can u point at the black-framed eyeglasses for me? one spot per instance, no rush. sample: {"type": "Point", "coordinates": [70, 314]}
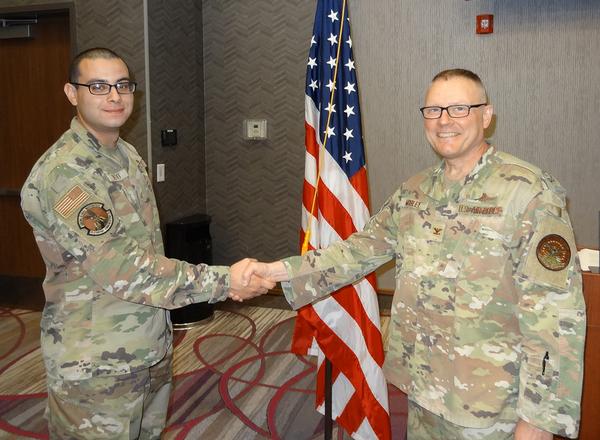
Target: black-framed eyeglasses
{"type": "Point", "coordinates": [102, 88]}
{"type": "Point", "coordinates": [454, 111]}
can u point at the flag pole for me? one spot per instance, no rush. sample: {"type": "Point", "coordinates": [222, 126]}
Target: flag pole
{"type": "Point", "coordinates": [328, 398]}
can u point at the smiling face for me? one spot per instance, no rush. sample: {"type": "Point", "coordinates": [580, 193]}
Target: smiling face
{"type": "Point", "coordinates": [102, 115]}
{"type": "Point", "coordinates": [460, 140]}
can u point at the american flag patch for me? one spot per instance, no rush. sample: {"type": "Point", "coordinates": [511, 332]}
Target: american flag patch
{"type": "Point", "coordinates": [71, 201]}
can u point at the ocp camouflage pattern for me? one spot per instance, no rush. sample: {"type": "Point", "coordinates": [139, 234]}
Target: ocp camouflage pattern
{"type": "Point", "coordinates": [477, 323]}
{"type": "Point", "coordinates": [106, 294]}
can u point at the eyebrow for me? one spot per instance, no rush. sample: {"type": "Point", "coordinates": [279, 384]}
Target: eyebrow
{"type": "Point", "coordinates": [101, 80]}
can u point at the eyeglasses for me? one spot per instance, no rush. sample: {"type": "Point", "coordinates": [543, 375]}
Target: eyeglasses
{"type": "Point", "coordinates": [102, 88]}
{"type": "Point", "coordinates": [454, 111]}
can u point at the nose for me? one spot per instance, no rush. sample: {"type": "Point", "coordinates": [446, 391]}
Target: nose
{"type": "Point", "coordinates": [445, 117]}
{"type": "Point", "coordinates": [113, 95]}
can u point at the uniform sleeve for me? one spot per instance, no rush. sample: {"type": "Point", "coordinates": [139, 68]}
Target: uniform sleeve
{"type": "Point", "coordinates": [82, 219]}
{"type": "Point", "coordinates": [551, 313]}
{"type": "Point", "coordinates": [320, 272]}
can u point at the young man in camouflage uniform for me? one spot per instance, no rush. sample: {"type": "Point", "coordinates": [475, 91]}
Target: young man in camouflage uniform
{"type": "Point", "coordinates": [106, 334]}
{"type": "Point", "coordinates": [488, 318]}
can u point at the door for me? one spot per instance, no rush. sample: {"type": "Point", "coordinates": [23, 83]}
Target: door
{"type": "Point", "coordinates": [33, 113]}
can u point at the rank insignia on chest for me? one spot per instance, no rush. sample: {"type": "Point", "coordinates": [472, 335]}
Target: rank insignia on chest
{"type": "Point", "coordinates": [95, 219]}
{"type": "Point", "coordinates": [436, 232]}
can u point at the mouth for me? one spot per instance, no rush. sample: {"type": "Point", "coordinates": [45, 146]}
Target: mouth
{"type": "Point", "coordinates": [446, 135]}
{"type": "Point", "coordinates": [115, 111]}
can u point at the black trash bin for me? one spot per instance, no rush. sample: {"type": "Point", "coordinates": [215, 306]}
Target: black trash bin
{"type": "Point", "coordinates": [189, 239]}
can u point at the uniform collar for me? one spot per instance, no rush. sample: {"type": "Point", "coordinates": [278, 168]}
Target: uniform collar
{"type": "Point", "coordinates": [84, 135]}
{"type": "Point", "coordinates": [89, 144]}
{"type": "Point", "coordinates": [433, 186]}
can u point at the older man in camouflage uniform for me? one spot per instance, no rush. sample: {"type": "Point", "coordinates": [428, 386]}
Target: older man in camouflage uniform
{"type": "Point", "coordinates": [488, 318]}
{"type": "Point", "coordinates": [106, 333]}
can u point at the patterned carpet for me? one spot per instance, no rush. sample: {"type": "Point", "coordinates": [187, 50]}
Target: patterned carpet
{"type": "Point", "coordinates": [234, 378]}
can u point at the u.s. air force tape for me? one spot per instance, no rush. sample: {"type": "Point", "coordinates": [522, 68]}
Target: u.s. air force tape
{"type": "Point", "coordinates": [553, 252]}
{"type": "Point", "coordinates": [94, 218]}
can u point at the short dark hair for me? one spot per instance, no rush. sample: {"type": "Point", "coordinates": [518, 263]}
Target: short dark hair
{"type": "Point", "coordinates": [93, 53]}
{"type": "Point", "coordinates": [461, 73]}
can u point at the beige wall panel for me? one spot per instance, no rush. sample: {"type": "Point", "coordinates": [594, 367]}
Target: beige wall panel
{"type": "Point", "coordinates": [541, 67]}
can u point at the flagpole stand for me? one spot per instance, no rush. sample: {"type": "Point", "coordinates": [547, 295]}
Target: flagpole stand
{"type": "Point", "coordinates": [328, 418]}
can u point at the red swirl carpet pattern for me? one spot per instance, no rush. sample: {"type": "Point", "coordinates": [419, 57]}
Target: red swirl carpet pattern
{"type": "Point", "coordinates": [234, 378]}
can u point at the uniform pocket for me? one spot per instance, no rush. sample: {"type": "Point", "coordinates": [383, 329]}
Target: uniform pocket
{"type": "Point", "coordinates": [482, 259]}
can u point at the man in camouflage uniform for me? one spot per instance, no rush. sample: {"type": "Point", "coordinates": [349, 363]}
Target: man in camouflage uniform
{"type": "Point", "coordinates": [106, 334]}
{"type": "Point", "coordinates": [488, 318]}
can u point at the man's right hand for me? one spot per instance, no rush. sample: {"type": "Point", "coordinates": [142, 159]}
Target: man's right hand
{"type": "Point", "coordinates": [271, 271]}
{"type": "Point", "coordinates": [253, 273]}
{"type": "Point", "coordinates": [246, 287]}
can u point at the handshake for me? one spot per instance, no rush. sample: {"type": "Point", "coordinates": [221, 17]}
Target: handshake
{"type": "Point", "coordinates": [250, 278]}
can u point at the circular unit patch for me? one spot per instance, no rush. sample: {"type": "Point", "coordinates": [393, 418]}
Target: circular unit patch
{"type": "Point", "coordinates": [553, 252]}
{"type": "Point", "coordinates": [95, 219]}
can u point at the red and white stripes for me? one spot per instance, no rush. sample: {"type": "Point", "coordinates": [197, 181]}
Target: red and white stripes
{"type": "Point", "coordinates": [344, 327]}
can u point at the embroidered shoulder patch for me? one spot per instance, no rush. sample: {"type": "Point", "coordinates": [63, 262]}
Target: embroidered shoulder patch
{"type": "Point", "coordinates": [553, 252]}
{"type": "Point", "coordinates": [71, 201]}
{"type": "Point", "coordinates": [94, 218]}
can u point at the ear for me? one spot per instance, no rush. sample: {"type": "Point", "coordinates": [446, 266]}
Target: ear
{"type": "Point", "coordinates": [71, 92]}
{"type": "Point", "coordinates": [488, 112]}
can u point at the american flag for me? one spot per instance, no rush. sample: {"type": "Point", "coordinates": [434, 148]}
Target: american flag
{"type": "Point", "coordinates": [343, 328]}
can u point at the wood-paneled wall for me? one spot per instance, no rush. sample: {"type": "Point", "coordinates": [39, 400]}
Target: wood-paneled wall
{"type": "Point", "coordinates": [590, 408]}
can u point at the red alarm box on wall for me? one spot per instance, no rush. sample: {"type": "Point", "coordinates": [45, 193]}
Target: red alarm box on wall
{"type": "Point", "coordinates": [485, 24]}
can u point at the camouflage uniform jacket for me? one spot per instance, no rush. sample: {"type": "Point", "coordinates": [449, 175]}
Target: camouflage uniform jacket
{"type": "Point", "coordinates": [478, 323]}
{"type": "Point", "coordinates": [107, 281]}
